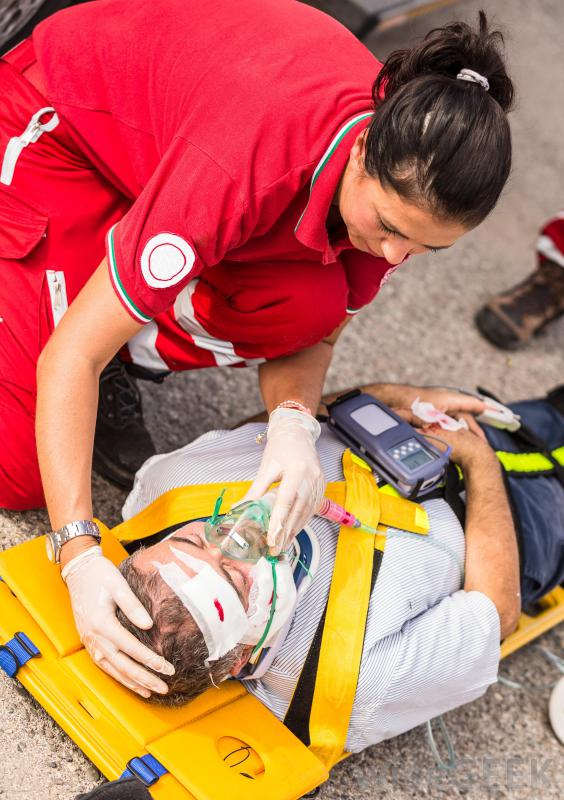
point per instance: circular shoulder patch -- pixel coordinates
(166, 259)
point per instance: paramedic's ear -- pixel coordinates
(245, 655)
(358, 153)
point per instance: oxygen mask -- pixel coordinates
(241, 534)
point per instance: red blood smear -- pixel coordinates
(219, 607)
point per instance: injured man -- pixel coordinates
(439, 608)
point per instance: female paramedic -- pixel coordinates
(206, 184)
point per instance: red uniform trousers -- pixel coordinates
(53, 219)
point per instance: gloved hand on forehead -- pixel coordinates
(290, 456)
(96, 589)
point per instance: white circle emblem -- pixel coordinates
(166, 259)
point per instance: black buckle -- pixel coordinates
(134, 771)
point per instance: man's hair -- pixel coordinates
(175, 636)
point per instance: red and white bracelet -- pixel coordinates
(294, 404)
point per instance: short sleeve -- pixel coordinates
(366, 275)
(186, 218)
(443, 658)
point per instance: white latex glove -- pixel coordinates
(96, 589)
(290, 457)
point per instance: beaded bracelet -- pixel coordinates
(294, 404)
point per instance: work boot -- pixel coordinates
(124, 789)
(512, 318)
(122, 443)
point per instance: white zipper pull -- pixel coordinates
(17, 143)
(58, 294)
(31, 133)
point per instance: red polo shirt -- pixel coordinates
(228, 126)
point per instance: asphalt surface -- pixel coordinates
(419, 330)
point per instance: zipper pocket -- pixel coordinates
(17, 143)
(58, 294)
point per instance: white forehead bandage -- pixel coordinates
(428, 413)
(213, 603)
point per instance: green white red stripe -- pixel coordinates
(329, 152)
(117, 282)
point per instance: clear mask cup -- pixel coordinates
(241, 534)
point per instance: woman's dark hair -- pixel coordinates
(438, 141)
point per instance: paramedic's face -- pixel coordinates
(380, 222)
(190, 539)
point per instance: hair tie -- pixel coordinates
(473, 77)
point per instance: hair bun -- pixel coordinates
(446, 51)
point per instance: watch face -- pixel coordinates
(50, 549)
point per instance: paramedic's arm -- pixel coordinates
(88, 336)
(290, 454)
(300, 376)
(492, 556)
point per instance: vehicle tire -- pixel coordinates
(19, 17)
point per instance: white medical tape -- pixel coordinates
(428, 413)
(212, 602)
(260, 600)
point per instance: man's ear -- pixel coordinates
(245, 655)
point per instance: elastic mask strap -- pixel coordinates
(218, 502)
(257, 647)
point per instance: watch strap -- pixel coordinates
(81, 527)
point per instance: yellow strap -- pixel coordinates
(395, 511)
(179, 505)
(189, 502)
(347, 608)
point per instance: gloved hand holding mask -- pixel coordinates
(290, 456)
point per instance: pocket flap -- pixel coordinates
(21, 226)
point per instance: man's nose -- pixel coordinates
(395, 250)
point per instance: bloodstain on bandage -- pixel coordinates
(219, 608)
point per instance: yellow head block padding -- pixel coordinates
(37, 583)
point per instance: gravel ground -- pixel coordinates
(420, 329)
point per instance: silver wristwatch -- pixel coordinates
(56, 539)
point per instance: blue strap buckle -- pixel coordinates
(17, 652)
(145, 768)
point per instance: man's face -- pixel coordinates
(381, 222)
(191, 540)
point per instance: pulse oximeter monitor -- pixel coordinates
(391, 446)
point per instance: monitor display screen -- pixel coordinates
(417, 459)
(373, 419)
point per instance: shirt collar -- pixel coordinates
(311, 228)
